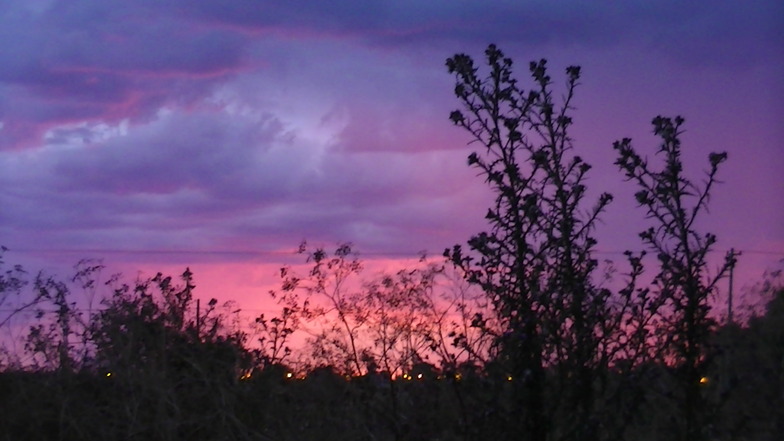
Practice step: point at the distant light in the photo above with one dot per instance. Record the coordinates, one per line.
(508, 378)
(458, 376)
(704, 380)
(108, 374)
(289, 375)
(419, 376)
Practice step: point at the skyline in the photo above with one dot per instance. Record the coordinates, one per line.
(151, 132)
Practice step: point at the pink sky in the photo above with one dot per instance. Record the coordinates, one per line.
(160, 134)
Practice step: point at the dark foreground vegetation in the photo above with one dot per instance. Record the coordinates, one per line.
(521, 335)
(174, 387)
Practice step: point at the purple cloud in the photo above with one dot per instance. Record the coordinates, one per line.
(170, 125)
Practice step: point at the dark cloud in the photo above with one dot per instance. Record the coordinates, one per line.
(101, 61)
(694, 32)
(198, 151)
(108, 60)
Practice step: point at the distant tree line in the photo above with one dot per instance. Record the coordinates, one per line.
(516, 336)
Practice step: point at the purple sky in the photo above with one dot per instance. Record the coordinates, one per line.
(148, 126)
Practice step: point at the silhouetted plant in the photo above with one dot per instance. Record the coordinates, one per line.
(683, 284)
(464, 323)
(272, 334)
(357, 325)
(13, 304)
(12, 282)
(59, 340)
(537, 260)
(178, 372)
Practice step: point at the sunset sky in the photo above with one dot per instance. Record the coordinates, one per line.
(219, 134)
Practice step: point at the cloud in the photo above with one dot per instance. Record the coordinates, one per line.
(104, 61)
(238, 164)
(189, 124)
(723, 33)
(101, 61)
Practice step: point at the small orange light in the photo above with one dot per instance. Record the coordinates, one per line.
(508, 378)
(704, 380)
